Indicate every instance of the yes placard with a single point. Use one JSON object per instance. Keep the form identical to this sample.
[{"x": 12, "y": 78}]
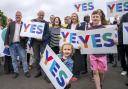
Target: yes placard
[
  {"x": 69, "y": 36},
  {"x": 97, "y": 41},
  {"x": 55, "y": 69},
  {"x": 125, "y": 33},
  {"x": 118, "y": 7},
  {"x": 32, "y": 29},
  {"x": 86, "y": 6}
]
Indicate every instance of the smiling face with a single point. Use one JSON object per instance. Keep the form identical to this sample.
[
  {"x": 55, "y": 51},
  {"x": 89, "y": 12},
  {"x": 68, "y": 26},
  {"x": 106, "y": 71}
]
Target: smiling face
[
  {"x": 18, "y": 16},
  {"x": 96, "y": 19},
  {"x": 40, "y": 15},
  {"x": 74, "y": 18},
  {"x": 67, "y": 50},
  {"x": 57, "y": 21}
]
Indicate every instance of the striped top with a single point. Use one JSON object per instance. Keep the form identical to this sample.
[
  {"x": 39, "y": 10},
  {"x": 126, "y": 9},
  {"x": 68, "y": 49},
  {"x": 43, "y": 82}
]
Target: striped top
[{"x": 54, "y": 36}]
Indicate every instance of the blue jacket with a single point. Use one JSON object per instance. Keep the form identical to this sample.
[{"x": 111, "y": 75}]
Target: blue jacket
[
  {"x": 68, "y": 62},
  {"x": 83, "y": 25}
]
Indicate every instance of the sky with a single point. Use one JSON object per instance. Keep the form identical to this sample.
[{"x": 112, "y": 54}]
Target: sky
[{"x": 29, "y": 8}]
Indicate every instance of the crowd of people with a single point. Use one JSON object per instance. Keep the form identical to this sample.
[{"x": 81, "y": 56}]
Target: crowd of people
[{"x": 17, "y": 46}]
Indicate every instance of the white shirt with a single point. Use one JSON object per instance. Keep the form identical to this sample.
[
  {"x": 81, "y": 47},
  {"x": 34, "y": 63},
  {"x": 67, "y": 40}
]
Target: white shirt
[
  {"x": 73, "y": 26},
  {"x": 17, "y": 33}
]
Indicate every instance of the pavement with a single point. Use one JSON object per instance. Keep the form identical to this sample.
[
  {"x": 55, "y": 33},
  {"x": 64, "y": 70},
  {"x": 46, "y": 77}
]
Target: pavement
[{"x": 113, "y": 80}]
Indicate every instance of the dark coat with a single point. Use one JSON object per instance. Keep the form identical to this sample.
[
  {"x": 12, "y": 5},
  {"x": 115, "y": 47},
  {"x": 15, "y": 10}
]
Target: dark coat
[
  {"x": 83, "y": 25},
  {"x": 77, "y": 27},
  {"x": 46, "y": 35},
  {"x": 120, "y": 31},
  {"x": 10, "y": 35}
]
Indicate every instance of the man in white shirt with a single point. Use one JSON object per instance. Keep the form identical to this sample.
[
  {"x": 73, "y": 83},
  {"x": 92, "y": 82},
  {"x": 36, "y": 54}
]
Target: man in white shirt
[{"x": 17, "y": 45}]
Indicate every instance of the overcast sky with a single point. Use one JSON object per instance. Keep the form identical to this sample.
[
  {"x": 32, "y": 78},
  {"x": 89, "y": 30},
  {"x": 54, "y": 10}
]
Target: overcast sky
[{"x": 29, "y": 8}]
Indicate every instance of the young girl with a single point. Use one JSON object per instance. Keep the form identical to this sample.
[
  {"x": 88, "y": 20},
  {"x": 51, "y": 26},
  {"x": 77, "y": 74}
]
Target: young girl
[
  {"x": 98, "y": 61},
  {"x": 65, "y": 56}
]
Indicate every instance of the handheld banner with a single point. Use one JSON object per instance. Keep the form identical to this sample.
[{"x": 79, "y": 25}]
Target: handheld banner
[
  {"x": 125, "y": 33},
  {"x": 86, "y": 6},
  {"x": 55, "y": 69},
  {"x": 69, "y": 36},
  {"x": 118, "y": 7},
  {"x": 32, "y": 29},
  {"x": 97, "y": 41}
]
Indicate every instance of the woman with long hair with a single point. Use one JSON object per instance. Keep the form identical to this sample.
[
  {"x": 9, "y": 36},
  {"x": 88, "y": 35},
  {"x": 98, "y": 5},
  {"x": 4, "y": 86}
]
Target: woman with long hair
[
  {"x": 77, "y": 57},
  {"x": 55, "y": 34}
]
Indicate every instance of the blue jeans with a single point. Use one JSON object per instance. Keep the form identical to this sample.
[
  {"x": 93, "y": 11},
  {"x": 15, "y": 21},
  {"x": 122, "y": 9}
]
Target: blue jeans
[{"x": 17, "y": 50}]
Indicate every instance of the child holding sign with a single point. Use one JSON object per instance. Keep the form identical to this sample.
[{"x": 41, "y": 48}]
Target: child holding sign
[
  {"x": 98, "y": 61},
  {"x": 65, "y": 56}
]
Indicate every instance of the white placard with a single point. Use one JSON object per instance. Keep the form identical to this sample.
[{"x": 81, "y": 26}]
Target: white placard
[
  {"x": 84, "y": 6},
  {"x": 118, "y": 7},
  {"x": 55, "y": 69},
  {"x": 32, "y": 29},
  {"x": 97, "y": 41},
  {"x": 69, "y": 36},
  {"x": 125, "y": 33}
]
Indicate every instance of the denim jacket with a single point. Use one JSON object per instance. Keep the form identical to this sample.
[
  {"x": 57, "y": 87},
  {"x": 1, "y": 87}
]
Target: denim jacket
[{"x": 68, "y": 62}]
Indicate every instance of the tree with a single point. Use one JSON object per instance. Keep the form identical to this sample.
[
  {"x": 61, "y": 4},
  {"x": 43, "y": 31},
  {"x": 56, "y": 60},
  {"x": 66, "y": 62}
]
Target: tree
[{"x": 3, "y": 19}]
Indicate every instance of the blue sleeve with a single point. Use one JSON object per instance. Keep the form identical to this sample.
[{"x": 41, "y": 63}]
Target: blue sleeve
[{"x": 69, "y": 64}]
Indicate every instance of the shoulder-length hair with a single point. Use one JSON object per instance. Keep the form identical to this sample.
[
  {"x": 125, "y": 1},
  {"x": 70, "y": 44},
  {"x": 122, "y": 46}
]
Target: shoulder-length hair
[
  {"x": 54, "y": 21},
  {"x": 103, "y": 18},
  {"x": 76, "y": 16}
]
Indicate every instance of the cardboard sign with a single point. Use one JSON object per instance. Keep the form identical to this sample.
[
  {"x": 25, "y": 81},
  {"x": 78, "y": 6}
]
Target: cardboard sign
[
  {"x": 118, "y": 7},
  {"x": 69, "y": 36},
  {"x": 55, "y": 69},
  {"x": 32, "y": 29},
  {"x": 86, "y": 6},
  {"x": 97, "y": 41},
  {"x": 125, "y": 33}
]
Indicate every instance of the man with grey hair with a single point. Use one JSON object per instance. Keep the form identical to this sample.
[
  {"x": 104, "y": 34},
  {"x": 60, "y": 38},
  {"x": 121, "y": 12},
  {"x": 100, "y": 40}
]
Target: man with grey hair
[
  {"x": 17, "y": 45},
  {"x": 39, "y": 45}
]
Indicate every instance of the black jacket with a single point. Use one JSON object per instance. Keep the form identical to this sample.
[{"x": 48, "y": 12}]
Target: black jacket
[
  {"x": 83, "y": 25},
  {"x": 10, "y": 35},
  {"x": 77, "y": 27},
  {"x": 120, "y": 31}
]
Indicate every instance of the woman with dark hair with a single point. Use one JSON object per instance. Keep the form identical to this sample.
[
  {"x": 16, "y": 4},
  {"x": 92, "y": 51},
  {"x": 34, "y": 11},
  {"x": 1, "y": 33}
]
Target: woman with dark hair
[{"x": 55, "y": 34}]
